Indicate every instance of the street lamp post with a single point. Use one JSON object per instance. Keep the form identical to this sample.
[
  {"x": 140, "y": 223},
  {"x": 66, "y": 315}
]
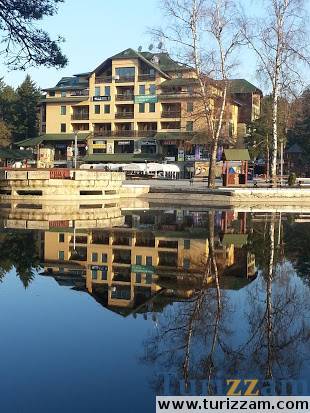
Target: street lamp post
[{"x": 75, "y": 149}]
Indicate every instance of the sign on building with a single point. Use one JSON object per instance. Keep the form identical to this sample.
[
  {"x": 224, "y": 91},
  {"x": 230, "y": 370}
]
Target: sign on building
[
  {"x": 146, "y": 99},
  {"x": 101, "y": 98},
  {"x": 46, "y": 157}
]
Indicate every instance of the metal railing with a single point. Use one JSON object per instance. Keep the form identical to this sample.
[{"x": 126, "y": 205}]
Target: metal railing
[
  {"x": 146, "y": 77},
  {"x": 125, "y": 79},
  {"x": 103, "y": 79},
  {"x": 126, "y": 133}
]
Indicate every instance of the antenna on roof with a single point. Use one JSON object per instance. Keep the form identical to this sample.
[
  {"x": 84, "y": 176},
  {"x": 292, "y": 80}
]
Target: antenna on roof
[
  {"x": 140, "y": 49},
  {"x": 151, "y": 47}
]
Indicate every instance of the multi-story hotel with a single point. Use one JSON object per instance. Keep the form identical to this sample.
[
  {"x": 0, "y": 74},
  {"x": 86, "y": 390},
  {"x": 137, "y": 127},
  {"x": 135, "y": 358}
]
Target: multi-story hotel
[
  {"x": 138, "y": 106},
  {"x": 153, "y": 252}
]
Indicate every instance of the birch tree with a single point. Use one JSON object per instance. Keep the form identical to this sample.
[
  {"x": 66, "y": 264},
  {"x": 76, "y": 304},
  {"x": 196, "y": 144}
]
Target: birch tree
[
  {"x": 203, "y": 36},
  {"x": 279, "y": 39}
]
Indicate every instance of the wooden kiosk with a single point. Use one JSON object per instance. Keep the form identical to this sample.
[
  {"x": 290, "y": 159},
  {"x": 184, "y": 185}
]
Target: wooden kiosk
[{"x": 235, "y": 167}]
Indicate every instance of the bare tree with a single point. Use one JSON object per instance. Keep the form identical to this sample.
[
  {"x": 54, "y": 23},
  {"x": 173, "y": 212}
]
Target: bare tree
[
  {"x": 204, "y": 36},
  {"x": 279, "y": 39}
]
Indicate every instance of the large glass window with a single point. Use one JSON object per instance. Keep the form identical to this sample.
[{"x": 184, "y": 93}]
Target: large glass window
[
  {"x": 138, "y": 278},
  {"x": 61, "y": 237},
  {"x": 107, "y": 90},
  {"x": 107, "y": 109},
  {"x": 152, "y": 107},
  {"x": 63, "y": 127},
  {"x": 63, "y": 110},
  {"x": 141, "y": 107},
  {"x": 94, "y": 257},
  {"x": 104, "y": 275},
  {"x": 125, "y": 72},
  {"x": 142, "y": 90},
  {"x": 138, "y": 259},
  {"x": 97, "y": 109},
  {"x": 104, "y": 258},
  {"x": 149, "y": 261},
  {"x": 97, "y": 90},
  {"x": 94, "y": 274}
]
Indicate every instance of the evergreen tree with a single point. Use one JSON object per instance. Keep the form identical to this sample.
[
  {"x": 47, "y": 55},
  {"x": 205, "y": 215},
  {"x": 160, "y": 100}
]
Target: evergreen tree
[
  {"x": 5, "y": 135},
  {"x": 7, "y": 103},
  {"x": 25, "y": 118}
]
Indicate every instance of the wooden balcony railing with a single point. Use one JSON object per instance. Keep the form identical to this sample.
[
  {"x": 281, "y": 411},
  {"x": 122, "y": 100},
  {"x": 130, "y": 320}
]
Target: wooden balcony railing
[
  {"x": 125, "y": 79},
  {"x": 124, "y": 97},
  {"x": 171, "y": 114},
  {"x": 146, "y": 77},
  {"x": 80, "y": 116},
  {"x": 124, "y": 115},
  {"x": 103, "y": 79},
  {"x": 125, "y": 133}
]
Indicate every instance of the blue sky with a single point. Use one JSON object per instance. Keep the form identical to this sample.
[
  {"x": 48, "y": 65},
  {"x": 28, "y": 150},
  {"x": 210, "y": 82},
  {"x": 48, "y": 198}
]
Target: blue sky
[{"x": 97, "y": 29}]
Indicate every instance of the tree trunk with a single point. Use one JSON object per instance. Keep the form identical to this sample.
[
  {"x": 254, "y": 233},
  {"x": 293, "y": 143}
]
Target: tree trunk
[{"x": 274, "y": 151}]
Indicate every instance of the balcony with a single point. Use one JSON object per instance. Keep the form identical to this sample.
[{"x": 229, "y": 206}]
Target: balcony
[
  {"x": 102, "y": 133},
  {"x": 125, "y": 79},
  {"x": 168, "y": 244},
  {"x": 124, "y": 115},
  {"x": 103, "y": 79},
  {"x": 146, "y": 77},
  {"x": 171, "y": 114},
  {"x": 124, "y": 97},
  {"x": 80, "y": 116}
]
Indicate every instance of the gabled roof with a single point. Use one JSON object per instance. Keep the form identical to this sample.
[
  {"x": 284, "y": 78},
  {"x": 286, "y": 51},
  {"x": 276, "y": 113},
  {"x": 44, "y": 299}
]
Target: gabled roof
[
  {"x": 242, "y": 86},
  {"x": 166, "y": 63},
  {"x": 183, "y": 81},
  {"x": 15, "y": 154},
  {"x": 295, "y": 149},
  {"x": 131, "y": 54},
  {"x": 69, "y": 83}
]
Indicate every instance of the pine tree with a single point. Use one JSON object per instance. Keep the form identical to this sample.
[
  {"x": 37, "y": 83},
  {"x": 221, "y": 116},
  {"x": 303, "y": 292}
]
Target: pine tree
[{"x": 25, "y": 121}]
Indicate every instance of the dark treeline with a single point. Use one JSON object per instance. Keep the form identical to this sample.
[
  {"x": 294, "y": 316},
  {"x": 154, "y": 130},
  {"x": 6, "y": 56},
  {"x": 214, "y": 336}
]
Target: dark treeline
[{"x": 18, "y": 111}]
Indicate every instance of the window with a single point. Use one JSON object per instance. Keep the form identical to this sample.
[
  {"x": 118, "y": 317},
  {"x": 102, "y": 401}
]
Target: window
[
  {"x": 97, "y": 109},
  {"x": 94, "y": 257},
  {"x": 63, "y": 110},
  {"x": 189, "y": 126},
  {"x": 97, "y": 90},
  {"x": 141, "y": 107},
  {"x": 148, "y": 278},
  {"x": 152, "y": 89},
  {"x": 61, "y": 237},
  {"x": 63, "y": 94},
  {"x": 104, "y": 257},
  {"x": 138, "y": 259},
  {"x": 138, "y": 278},
  {"x": 99, "y": 142},
  {"x": 149, "y": 261},
  {"x": 63, "y": 127},
  {"x": 142, "y": 90},
  {"x": 152, "y": 107},
  {"x": 186, "y": 263},
  {"x": 51, "y": 93},
  {"x": 187, "y": 244},
  {"x": 107, "y": 109},
  {"x": 104, "y": 274},
  {"x": 190, "y": 90},
  {"x": 127, "y": 72},
  {"x": 61, "y": 255},
  {"x": 107, "y": 90},
  {"x": 190, "y": 106},
  {"x": 94, "y": 274}
]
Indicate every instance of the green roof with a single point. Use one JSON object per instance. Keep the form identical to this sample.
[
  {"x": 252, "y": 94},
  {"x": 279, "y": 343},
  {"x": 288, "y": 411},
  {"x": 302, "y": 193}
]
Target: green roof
[
  {"x": 52, "y": 137},
  {"x": 235, "y": 239},
  {"x": 236, "y": 155},
  {"x": 15, "y": 154},
  {"x": 166, "y": 63},
  {"x": 179, "y": 82},
  {"x": 120, "y": 157},
  {"x": 242, "y": 86}
]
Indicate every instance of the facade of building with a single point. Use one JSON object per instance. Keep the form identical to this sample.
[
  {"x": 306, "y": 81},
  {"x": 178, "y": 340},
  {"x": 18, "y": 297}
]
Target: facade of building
[
  {"x": 135, "y": 106},
  {"x": 150, "y": 253}
]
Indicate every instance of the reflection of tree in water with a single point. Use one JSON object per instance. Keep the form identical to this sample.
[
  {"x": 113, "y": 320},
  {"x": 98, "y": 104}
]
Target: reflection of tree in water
[
  {"x": 18, "y": 249},
  {"x": 277, "y": 327},
  {"x": 187, "y": 337},
  {"x": 194, "y": 341}
]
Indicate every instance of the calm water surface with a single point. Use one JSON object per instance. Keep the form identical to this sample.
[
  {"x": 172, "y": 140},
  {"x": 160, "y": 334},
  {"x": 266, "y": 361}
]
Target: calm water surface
[{"x": 94, "y": 318}]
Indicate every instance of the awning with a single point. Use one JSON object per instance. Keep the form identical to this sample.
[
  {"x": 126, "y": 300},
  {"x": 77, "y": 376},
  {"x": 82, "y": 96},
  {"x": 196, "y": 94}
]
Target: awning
[
  {"x": 53, "y": 137},
  {"x": 15, "y": 154},
  {"x": 120, "y": 157},
  {"x": 238, "y": 240},
  {"x": 236, "y": 155}
]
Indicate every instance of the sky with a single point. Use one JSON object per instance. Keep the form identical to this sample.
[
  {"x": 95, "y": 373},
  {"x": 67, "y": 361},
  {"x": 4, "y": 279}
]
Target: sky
[{"x": 97, "y": 29}]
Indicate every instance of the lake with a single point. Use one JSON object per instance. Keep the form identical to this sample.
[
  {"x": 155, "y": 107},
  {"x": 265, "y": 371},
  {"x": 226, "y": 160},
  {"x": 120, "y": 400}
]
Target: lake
[{"x": 101, "y": 318}]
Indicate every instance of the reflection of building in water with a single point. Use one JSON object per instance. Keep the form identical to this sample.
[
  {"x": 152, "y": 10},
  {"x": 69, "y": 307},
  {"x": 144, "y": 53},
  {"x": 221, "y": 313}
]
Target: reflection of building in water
[{"x": 154, "y": 254}]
